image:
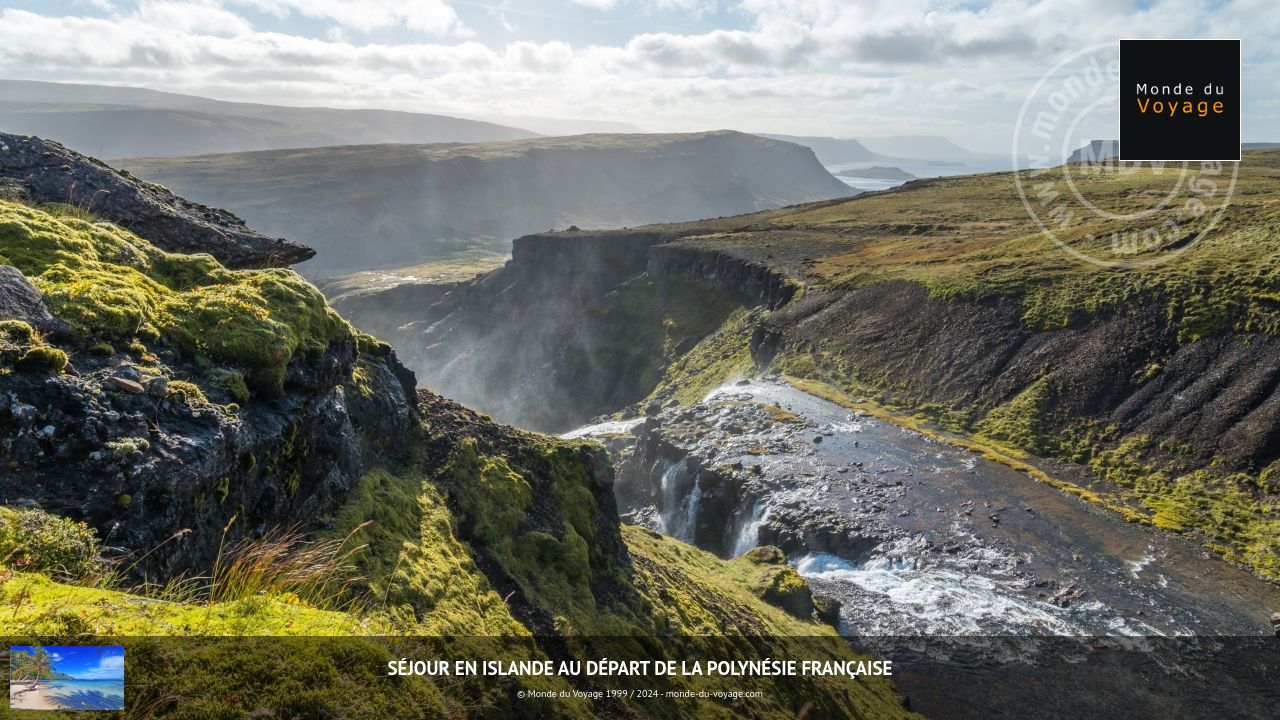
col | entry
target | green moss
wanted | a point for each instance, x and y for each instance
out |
(111, 285)
(125, 448)
(490, 496)
(230, 382)
(414, 564)
(719, 357)
(102, 349)
(42, 358)
(37, 541)
(783, 587)
(18, 331)
(1023, 420)
(185, 392)
(360, 383)
(370, 345)
(109, 612)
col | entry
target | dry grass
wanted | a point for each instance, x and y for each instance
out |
(284, 563)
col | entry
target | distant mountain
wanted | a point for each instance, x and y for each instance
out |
(563, 126)
(108, 121)
(832, 151)
(380, 206)
(1096, 151)
(920, 147)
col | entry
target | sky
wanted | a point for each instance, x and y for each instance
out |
(843, 68)
(83, 662)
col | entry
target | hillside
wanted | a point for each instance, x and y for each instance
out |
(1150, 391)
(365, 207)
(198, 451)
(832, 151)
(108, 121)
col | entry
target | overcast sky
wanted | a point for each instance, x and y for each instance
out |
(823, 67)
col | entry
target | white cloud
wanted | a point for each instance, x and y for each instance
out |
(192, 16)
(426, 16)
(597, 4)
(110, 667)
(800, 66)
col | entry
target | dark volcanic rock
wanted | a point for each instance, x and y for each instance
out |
(20, 300)
(143, 466)
(48, 172)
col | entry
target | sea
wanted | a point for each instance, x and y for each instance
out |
(922, 169)
(85, 694)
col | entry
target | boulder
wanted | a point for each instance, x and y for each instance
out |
(20, 300)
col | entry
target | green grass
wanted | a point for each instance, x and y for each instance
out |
(436, 272)
(970, 238)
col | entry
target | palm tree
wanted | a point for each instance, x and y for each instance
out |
(33, 665)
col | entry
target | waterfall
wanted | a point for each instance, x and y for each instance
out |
(749, 534)
(689, 526)
(670, 493)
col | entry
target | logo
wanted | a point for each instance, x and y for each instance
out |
(1096, 207)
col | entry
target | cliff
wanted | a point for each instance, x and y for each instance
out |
(380, 206)
(1150, 391)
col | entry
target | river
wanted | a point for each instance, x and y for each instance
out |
(918, 538)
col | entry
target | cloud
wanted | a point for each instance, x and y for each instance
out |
(801, 66)
(426, 16)
(597, 4)
(110, 667)
(192, 16)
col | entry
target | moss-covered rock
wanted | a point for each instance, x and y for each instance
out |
(17, 331)
(112, 286)
(42, 358)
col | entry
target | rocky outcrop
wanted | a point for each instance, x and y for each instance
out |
(156, 396)
(141, 458)
(577, 324)
(42, 171)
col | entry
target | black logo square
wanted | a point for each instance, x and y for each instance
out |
(1180, 100)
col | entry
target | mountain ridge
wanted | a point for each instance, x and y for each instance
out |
(111, 121)
(410, 203)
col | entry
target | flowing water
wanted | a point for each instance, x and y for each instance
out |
(962, 545)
